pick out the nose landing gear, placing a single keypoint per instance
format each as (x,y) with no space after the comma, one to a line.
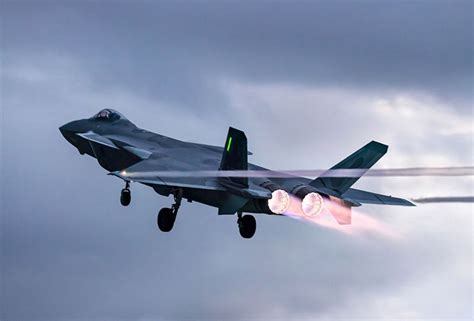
(126,195)
(167,216)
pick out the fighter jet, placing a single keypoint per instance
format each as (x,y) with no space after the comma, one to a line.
(167,165)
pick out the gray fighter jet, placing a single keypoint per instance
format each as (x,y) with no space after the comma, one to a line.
(169,166)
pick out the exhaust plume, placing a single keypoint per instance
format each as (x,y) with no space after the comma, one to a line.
(362,224)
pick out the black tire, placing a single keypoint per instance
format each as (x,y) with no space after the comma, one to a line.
(165,219)
(125,197)
(247,226)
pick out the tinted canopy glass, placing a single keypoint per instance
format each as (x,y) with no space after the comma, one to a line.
(108,114)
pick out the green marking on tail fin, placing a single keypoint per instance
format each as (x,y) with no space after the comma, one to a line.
(229,143)
(234,155)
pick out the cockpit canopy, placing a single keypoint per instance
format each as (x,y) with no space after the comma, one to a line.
(108,115)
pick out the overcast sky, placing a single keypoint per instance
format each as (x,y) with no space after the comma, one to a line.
(309,83)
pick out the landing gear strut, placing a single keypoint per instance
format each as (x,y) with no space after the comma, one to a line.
(125,195)
(167,216)
(247,225)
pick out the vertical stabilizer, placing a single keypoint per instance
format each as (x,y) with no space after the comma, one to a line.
(234,156)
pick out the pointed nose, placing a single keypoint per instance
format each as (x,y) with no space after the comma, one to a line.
(64,129)
(70,129)
(67,129)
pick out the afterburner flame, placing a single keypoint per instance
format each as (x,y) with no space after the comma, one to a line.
(280,201)
(362,223)
(312,204)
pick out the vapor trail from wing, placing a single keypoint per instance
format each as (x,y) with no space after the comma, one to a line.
(444,199)
(388,172)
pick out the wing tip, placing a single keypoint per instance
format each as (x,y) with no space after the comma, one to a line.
(378,147)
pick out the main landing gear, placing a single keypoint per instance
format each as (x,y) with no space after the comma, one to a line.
(247,225)
(167,216)
(125,195)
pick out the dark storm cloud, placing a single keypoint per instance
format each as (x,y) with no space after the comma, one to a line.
(70,251)
(171,50)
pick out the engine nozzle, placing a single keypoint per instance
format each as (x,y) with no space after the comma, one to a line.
(312,204)
(280,201)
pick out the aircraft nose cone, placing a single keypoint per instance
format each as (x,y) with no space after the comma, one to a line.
(71,127)
(69,130)
(63,129)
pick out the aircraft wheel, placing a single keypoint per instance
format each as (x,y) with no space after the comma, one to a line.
(165,219)
(125,197)
(247,226)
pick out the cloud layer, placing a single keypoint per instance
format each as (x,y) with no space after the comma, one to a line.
(309,83)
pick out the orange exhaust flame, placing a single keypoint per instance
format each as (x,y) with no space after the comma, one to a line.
(362,224)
